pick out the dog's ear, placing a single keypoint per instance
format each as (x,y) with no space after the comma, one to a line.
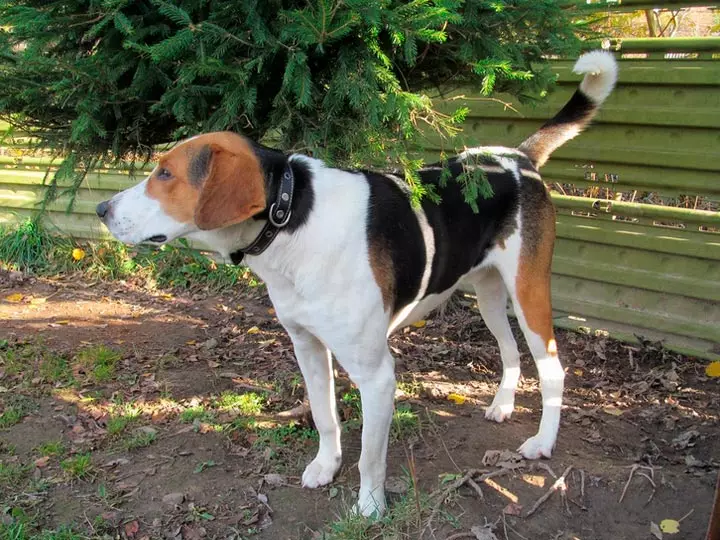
(231,182)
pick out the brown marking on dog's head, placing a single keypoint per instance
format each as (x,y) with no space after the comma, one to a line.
(383,271)
(215,180)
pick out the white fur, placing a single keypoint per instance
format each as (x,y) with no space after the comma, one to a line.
(134,217)
(600,70)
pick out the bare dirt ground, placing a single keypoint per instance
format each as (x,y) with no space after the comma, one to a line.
(205,476)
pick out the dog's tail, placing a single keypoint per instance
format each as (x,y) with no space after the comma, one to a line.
(600,71)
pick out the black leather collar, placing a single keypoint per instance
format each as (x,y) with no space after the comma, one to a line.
(278,217)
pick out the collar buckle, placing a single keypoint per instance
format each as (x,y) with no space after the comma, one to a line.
(282,215)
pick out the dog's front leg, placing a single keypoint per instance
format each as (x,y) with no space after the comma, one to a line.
(315,362)
(374,376)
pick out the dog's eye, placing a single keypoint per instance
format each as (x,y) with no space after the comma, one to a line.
(163,174)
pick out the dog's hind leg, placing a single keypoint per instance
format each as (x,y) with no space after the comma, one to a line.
(525,267)
(315,362)
(492,302)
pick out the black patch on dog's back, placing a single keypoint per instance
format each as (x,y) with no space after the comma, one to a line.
(463,237)
(393,225)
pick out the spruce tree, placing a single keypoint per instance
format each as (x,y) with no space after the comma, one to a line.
(349,81)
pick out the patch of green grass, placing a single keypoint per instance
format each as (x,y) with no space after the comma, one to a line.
(16,408)
(184,268)
(284,435)
(197,412)
(200,467)
(411,388)
(27,246)
(20,530)
(56,369)
(100,362)
(51,448)
(77,467)
(405,423)
(11,473)
(249,404)
(140,439)
(11,416)
(405,518)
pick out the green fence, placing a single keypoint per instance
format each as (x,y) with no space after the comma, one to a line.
(625,266)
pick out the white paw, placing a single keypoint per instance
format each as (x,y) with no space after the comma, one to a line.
(320,472)
(501,409)
(537,446)
(370,505)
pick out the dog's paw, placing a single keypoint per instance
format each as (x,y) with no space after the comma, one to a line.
(501,409)
(536,447)
(370,505)
(320,472)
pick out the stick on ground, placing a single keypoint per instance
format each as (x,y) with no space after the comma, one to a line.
(559,484)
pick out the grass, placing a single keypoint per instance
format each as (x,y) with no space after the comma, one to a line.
(51,448)
(123,415)
(16,408)
(249,404)
(140,439)
(56,369)
(197,412)
(77,467)
(19,530)
(100,362)
(11,416)
(31,247)
(12,473)
(405,518)
(28,246)
(405,423)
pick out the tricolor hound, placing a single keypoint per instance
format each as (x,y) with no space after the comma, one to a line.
(348,259)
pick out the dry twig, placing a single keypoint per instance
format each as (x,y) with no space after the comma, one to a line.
(559,484)
(635,467)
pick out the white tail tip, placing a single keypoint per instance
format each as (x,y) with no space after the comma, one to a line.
(600,69)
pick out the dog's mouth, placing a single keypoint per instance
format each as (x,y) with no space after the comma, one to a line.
(157,239)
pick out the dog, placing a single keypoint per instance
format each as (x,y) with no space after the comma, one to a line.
(348,258)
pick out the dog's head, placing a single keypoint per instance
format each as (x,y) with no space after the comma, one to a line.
(207,182)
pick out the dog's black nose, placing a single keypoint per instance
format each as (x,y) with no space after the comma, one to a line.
(102,209)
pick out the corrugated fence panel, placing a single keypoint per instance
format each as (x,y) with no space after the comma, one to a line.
(632,269)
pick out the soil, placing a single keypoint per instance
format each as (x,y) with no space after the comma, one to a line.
(625,405)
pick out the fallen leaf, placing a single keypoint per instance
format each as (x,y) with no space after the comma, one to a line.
(271,311)
(420,324)
(483,533)
(212,364)
(713,369)
(14,298)
(655,531)
(191,342)
(578,372)
(42,462)
(456,398)
(131,528)
(36,301)
(513,509)
(670,526)
(612,410)
(173,499)
(78,254)
(253,330)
